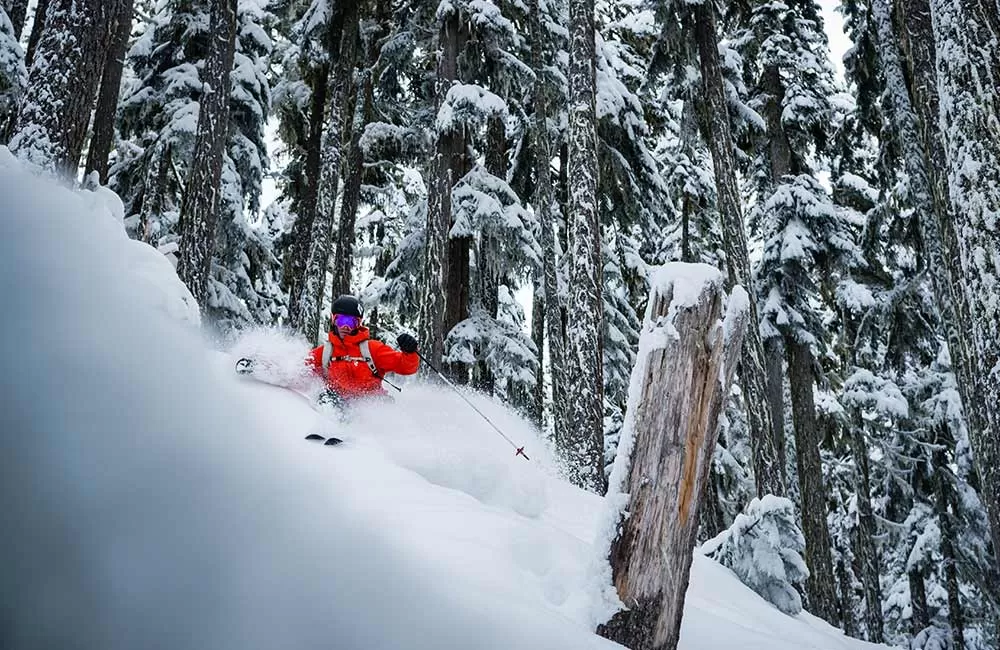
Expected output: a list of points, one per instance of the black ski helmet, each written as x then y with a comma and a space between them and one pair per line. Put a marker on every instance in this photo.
347, 305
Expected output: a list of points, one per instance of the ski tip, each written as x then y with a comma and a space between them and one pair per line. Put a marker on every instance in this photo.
315, 437
333, 441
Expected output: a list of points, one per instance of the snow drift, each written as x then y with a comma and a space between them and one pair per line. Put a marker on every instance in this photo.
152, 499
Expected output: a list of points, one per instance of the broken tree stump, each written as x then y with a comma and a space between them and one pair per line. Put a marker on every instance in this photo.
683, 372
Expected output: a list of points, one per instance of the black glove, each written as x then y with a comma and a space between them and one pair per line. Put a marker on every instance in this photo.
406, 342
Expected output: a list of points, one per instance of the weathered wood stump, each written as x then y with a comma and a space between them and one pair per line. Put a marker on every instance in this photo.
687, 357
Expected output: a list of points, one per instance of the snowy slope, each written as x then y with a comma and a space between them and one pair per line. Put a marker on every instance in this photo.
150, 498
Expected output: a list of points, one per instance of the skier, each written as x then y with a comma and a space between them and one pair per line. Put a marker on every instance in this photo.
352, 364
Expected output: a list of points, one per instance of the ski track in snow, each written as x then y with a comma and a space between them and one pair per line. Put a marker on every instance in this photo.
151, 498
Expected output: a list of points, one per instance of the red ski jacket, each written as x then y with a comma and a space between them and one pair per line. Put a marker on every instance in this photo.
348, 373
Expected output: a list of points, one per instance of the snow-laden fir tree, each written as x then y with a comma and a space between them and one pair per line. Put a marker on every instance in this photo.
764, 548
159, 113
807, 241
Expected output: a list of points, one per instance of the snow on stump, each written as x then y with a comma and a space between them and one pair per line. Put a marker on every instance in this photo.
687, 357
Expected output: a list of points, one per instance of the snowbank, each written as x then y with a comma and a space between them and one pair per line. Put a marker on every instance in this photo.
150, 498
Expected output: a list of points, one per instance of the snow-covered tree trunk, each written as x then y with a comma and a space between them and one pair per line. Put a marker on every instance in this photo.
547, 211
867, 554
847, 617
200, 205
919, 618
538, 338
968, 78
298, 249
820, 585
13, 77
354, 169
449, 163
715, 127
103, 132
685, 365
17, 11
949, 538
51, 126
914, 111
583, 436
37, 27
310, 303
774, 363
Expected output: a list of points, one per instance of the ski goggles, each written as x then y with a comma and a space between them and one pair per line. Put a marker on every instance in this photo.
345, 320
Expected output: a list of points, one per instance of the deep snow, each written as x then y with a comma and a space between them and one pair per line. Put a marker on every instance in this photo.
153, 499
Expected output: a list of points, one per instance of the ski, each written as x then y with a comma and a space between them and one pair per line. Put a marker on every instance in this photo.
327, 442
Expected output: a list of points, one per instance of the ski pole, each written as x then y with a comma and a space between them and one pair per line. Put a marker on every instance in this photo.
518, 451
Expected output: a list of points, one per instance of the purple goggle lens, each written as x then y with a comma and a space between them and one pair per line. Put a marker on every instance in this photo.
343, 320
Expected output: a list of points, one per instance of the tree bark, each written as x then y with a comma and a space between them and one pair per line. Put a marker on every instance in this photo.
37, 27
867, 554
846, 600
919, 619
443, 282
298, 250
17, 11
716, 130
968, 81
538, 338
948, 538
200, 205
102, 137
685, 376
774, 349
583, 441
820, 584
310, 302
548, 214
354, 172
51, 126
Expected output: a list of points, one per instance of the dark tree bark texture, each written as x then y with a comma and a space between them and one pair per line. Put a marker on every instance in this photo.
200, 204
102, 137
820, 584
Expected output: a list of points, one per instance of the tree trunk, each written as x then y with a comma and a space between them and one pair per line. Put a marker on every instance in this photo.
52, 124
17, 11
948, 538
716, 130
37, 27
538, 338
154, 192
200, 204
298, 250
919, 619
820, 584
548, 214
685, 366
310, 303
867, 554
102, 138
354, 172
846, 600
774, 349
583, 441
968, 78
443, 282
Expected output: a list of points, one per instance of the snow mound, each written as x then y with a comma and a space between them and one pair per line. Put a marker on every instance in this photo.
151, 498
